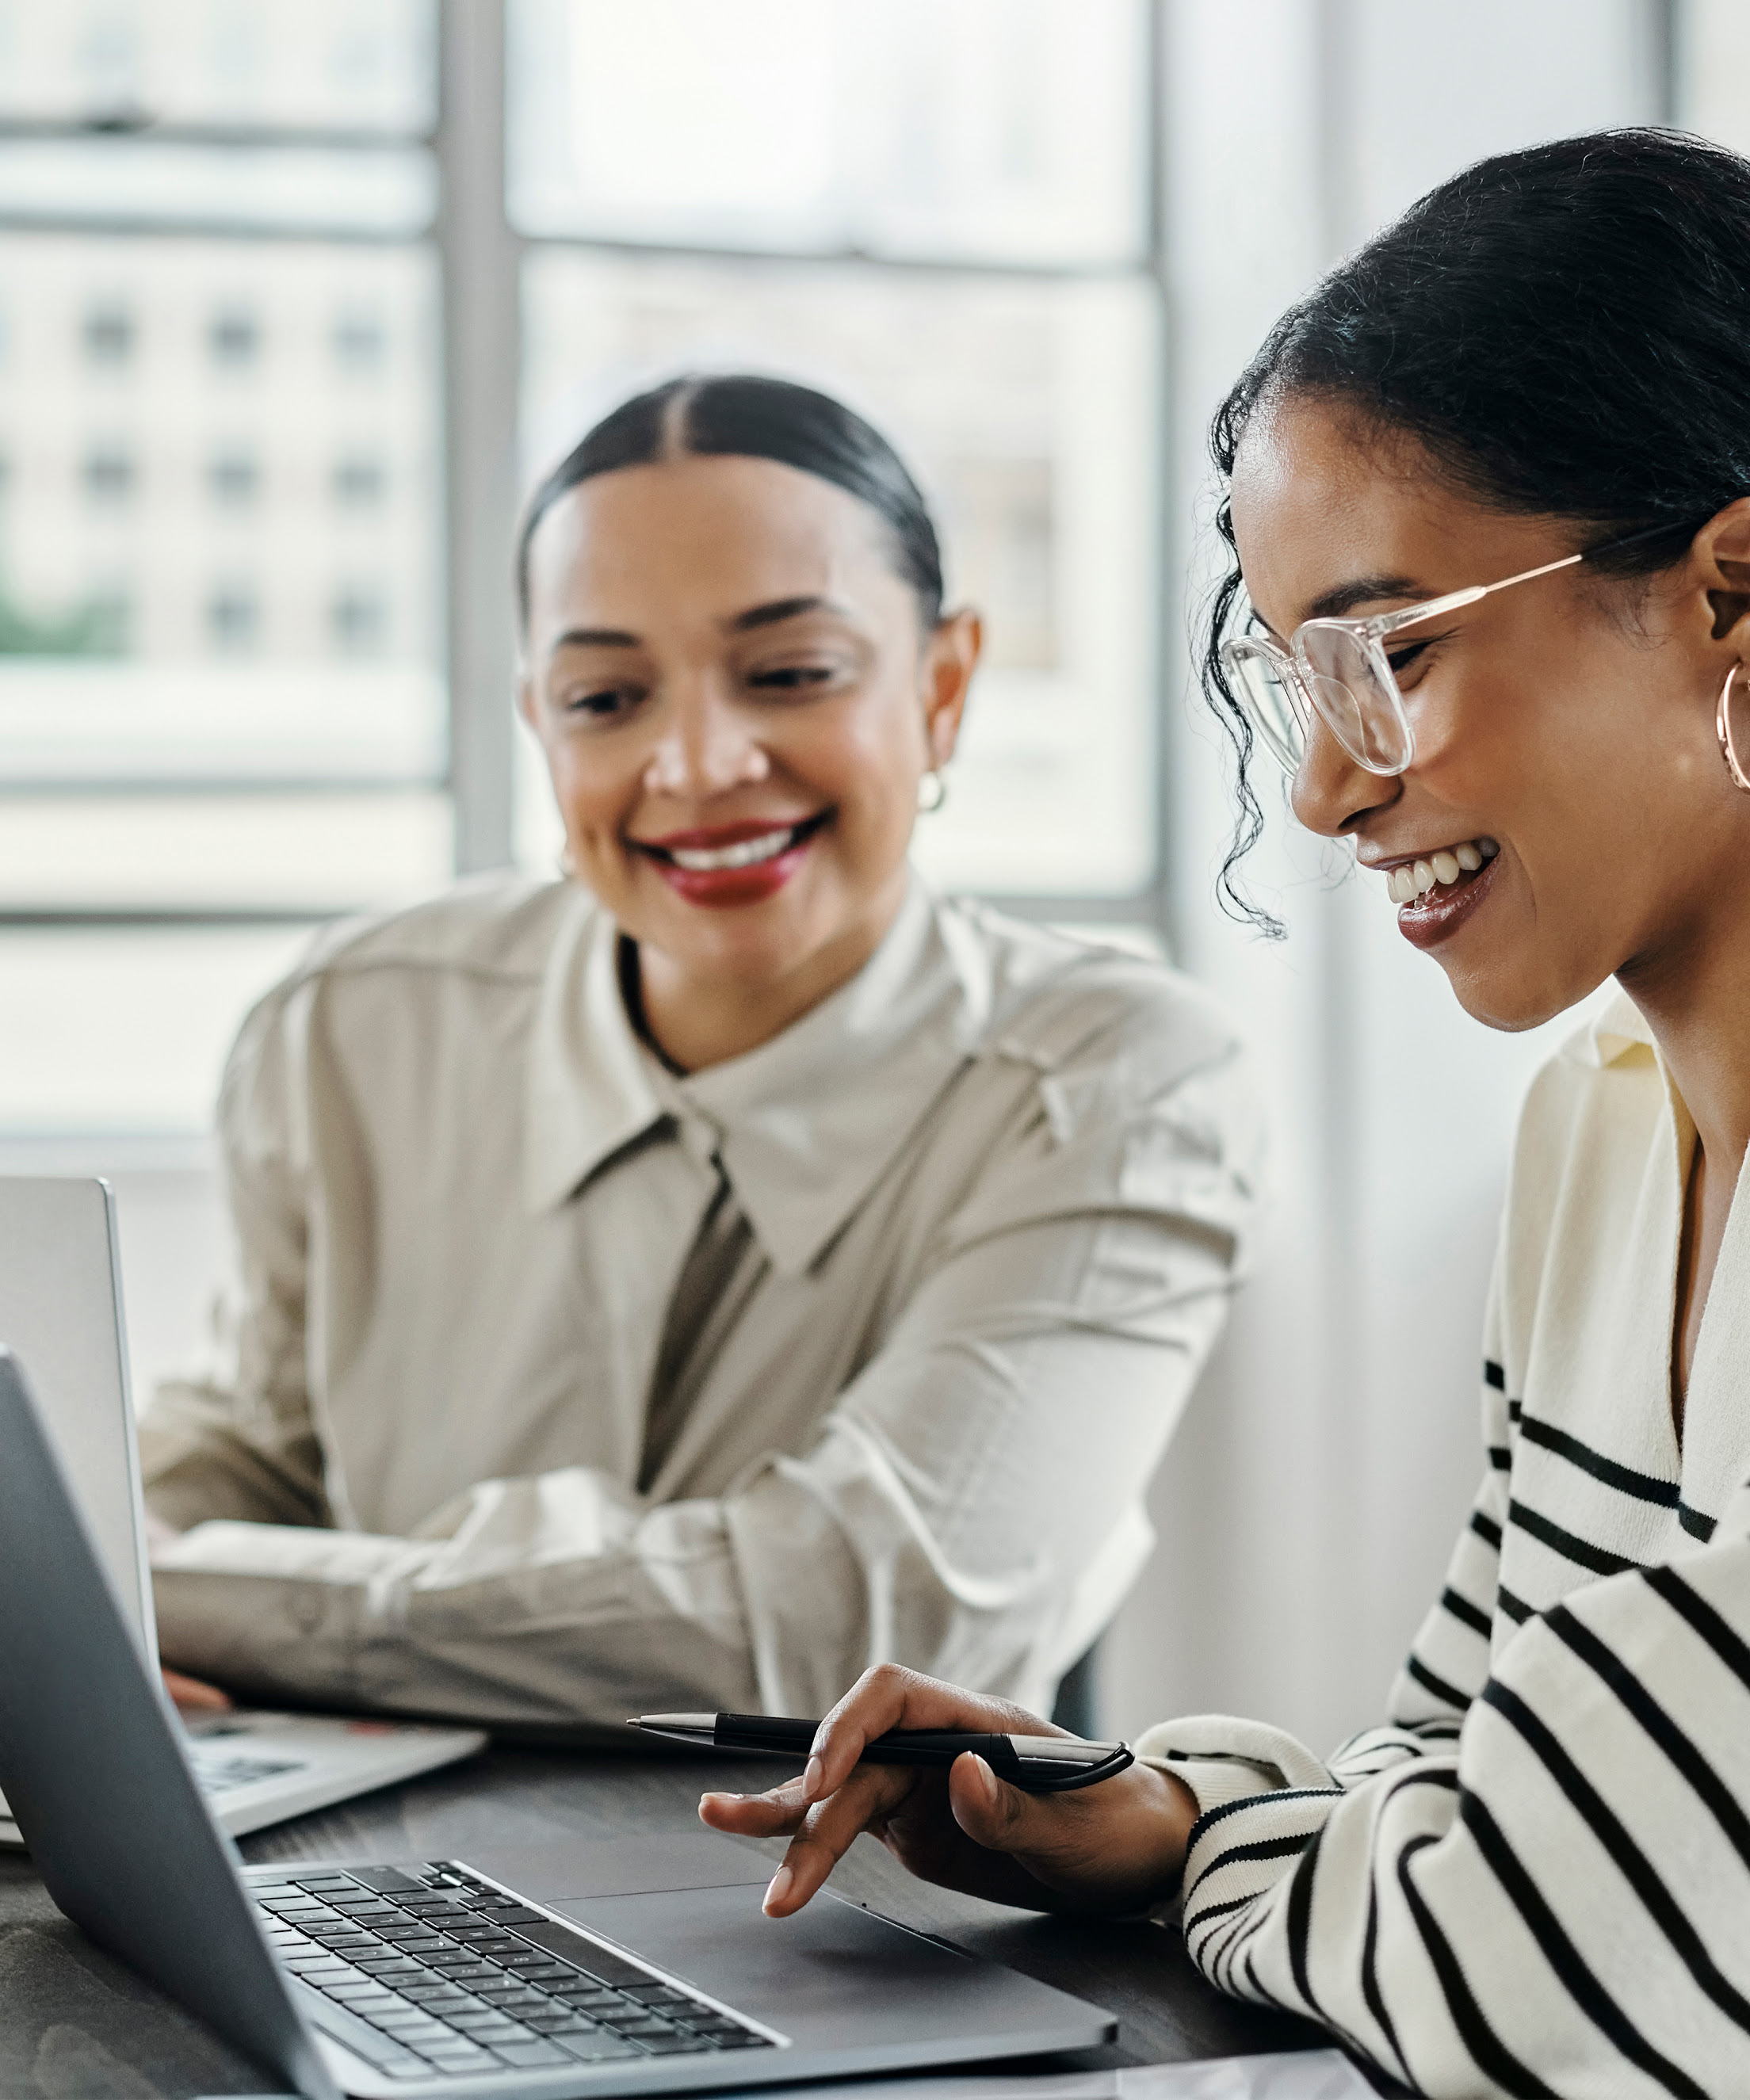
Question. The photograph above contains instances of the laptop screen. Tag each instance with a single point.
(60, 1314)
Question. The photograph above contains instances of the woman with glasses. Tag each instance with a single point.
(1488, 491)
(683, 1284)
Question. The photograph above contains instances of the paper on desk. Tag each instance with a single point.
(1318, 2074)
(1312, 2073)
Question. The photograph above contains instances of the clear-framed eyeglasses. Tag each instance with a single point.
(1339, 669)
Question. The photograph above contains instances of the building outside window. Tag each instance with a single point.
(218, 276)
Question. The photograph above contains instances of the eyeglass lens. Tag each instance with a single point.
(1274, 706)
(1357, 699)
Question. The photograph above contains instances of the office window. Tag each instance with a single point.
(1712, 53)
(358, 620)
(220, 719)
(234, 339)
(324, 67)
(108, 474)
(358, 342)
(358, 481)
(109, 335)
(989, 131)
(205, 478)
(233, 617)
(940, 212)
(233, 477)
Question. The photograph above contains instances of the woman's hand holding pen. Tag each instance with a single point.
(1117, 1846)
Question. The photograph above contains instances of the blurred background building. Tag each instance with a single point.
(296, 301)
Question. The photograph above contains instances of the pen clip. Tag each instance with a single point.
(1050, 1776)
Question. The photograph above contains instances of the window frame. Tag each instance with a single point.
(479, 256)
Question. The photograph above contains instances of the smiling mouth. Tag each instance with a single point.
(737, 852)
(1446, 870)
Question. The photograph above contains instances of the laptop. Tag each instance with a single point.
(635, 1965)
(61, 1311)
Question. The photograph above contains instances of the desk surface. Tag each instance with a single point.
(73, 2023)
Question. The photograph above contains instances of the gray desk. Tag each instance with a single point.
(74, 2025)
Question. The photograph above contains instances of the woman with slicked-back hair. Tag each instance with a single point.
(1486, 490)
(684, 1284)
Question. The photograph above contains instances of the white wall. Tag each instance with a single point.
(1308, 1508)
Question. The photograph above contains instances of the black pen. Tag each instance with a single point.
(1037, 1764)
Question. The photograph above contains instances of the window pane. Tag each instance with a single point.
(1028, 408)
(120, 182)
(1006, 131)
(309, 853)
(125, 1031)
(1713, 52)
(324, 65)
(219, 511)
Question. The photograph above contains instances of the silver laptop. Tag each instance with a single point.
(60, 1311)
(640, 1964)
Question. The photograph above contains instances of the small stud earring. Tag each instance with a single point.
(1723, 726)
(932, 792)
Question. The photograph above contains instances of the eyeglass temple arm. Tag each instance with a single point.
(1393, 623)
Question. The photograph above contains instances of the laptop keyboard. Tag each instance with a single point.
(217, 1773)
(436, 1971)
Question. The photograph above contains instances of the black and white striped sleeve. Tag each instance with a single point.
(1535, 1880)
(1557, 1905)
(1448, 1662)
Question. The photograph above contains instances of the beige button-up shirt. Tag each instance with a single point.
(995, 1192)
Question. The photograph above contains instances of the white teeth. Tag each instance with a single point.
(747, 852)
(1415, 879)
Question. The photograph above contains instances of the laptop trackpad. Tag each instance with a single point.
(838, 1976)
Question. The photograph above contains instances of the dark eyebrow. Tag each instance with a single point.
(781, 608)
(594, 637)
(1362, 590)
(756, 616)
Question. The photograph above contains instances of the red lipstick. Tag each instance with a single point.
(1439, 914)
(722, 879)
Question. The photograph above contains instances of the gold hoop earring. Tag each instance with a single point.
(1722, 727)
(932, 792)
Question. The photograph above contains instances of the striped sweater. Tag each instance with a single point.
(1535, 1878)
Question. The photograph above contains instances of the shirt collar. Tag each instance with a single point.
(805, 1124)
(589, 1088)
(1618, 1031)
